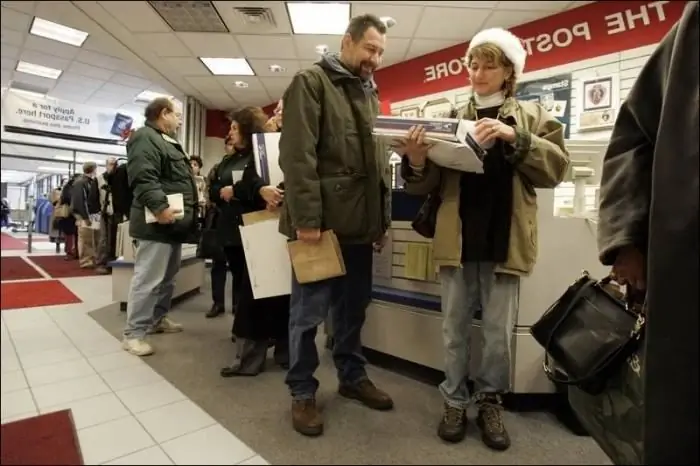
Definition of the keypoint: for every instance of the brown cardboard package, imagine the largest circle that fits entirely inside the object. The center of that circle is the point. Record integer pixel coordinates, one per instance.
(317, 262)
(259, 216)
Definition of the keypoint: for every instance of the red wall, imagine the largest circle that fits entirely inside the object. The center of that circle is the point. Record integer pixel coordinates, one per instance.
(587, 32)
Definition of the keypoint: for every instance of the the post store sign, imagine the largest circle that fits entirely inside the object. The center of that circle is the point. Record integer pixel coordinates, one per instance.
(586, 32)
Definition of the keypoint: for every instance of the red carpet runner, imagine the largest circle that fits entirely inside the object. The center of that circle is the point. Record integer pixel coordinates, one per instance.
(19, 295)
(58, 267)
(16, 268)
(8, 243)
(49, 439)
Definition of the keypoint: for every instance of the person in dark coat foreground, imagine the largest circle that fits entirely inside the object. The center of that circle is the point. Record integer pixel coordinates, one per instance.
(648, 232)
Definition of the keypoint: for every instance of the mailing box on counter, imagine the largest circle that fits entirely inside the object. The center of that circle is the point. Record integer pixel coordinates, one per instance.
(453, 144)
(267, 153)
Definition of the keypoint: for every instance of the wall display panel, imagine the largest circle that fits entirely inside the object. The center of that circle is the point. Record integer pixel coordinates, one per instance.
(553, 93)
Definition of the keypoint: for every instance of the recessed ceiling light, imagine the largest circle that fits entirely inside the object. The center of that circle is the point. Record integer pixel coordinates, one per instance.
(54, 31)
(277, 68)
(38, 70)
(53, 169)
(30, 94)
(388, 21)
(147, 96)
(321, 49)
(319, 18)
(228, 66)
(241, 84)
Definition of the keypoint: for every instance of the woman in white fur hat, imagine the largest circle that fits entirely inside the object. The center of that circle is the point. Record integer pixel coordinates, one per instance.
(486, 231)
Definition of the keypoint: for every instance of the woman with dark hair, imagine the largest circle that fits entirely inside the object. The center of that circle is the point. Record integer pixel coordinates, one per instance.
(236, 188)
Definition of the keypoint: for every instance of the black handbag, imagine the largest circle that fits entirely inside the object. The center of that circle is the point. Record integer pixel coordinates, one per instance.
(208, 246)
(426, 220)
(590, 331)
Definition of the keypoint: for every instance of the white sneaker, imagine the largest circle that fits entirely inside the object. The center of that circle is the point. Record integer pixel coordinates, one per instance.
(166, 325)
(137, 346)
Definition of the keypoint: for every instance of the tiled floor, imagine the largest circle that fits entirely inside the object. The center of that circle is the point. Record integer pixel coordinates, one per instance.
(57, 357)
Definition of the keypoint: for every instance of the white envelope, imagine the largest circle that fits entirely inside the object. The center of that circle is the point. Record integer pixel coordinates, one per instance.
(175, 201)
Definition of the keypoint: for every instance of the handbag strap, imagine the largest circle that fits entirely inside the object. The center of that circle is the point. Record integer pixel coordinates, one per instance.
(549, 371)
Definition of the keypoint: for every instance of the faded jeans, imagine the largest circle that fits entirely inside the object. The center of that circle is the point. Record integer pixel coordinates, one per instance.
(346, 298)
(465, 290)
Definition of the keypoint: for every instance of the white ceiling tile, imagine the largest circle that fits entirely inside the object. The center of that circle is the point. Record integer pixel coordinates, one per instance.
(509, 18)
(205, 83)
(187, 66)
(24, 7)
(103, 61)
(257, 99)
(72, 78)
(69, 96)
(91, 71)
(456, 4)
(15, 20)
(450, 23)
(124, 91)
(547, 5)
(106, 46)
(38, 58)
(8, 63)
(395, 51)
(106, 100)
(306, 45)
(33, 80)
(67, 14)
(420, 47)
(12, 37)
(130, 81)
(275, 86)
(214, 45)
(406, 17)
(262, 67)
(266, 46)
(136, 16)
(164, 44)
(51, 47)
(9, 51)
(237, 26)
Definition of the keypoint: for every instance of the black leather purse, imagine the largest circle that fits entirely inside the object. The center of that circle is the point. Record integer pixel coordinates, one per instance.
(426, 220)
(590, 332)
(208, 245)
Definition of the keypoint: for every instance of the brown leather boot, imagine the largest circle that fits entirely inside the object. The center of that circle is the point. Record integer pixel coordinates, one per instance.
(366, 393)
(306, 418)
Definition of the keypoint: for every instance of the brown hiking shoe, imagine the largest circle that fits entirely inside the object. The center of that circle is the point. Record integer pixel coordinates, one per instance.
(453, 425)
(306, 418)
(490, 422)
(366, 393)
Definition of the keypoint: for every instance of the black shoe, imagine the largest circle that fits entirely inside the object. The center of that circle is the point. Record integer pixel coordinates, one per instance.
(281, 353)
(215, 311)
(453, 425)
(490, 422)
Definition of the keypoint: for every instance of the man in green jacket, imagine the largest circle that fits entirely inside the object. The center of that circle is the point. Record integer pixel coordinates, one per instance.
(335, 178)
(157, 167)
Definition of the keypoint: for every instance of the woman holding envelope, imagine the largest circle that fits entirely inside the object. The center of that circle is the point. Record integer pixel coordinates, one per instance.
(237, 189)
(486, 229)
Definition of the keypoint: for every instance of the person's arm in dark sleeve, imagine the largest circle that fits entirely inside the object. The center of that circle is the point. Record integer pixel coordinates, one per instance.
(213, 185)
(79, 199)
(248, 189)
(298, 158)
(625, 186)
(143, 168)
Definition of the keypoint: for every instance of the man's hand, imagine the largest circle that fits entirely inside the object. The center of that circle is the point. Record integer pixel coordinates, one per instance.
(629, 268)
(271, 195)
(378, 246)
(309, 235)
(414, 146)
(226, 193)
(167, 216)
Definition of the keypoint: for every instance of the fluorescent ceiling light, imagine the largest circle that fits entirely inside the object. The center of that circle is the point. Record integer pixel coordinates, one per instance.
(53, 169)
(30, 94)
(319, 18)
(58, 32)
(147, 96)
(38, 70)
(228, 66)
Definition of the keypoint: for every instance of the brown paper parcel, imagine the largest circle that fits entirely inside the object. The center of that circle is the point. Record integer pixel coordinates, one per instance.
(317, 262)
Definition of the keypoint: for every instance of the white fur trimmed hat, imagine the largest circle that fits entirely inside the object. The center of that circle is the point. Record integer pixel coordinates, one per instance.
(511, 46)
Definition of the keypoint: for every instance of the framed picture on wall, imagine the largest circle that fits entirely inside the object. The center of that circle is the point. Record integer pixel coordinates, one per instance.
(598, 93)
(412, 111)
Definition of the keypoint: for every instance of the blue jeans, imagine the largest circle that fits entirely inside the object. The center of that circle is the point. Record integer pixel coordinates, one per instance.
(346, 298)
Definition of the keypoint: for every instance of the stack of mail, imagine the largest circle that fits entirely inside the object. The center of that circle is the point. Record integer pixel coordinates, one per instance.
(453, 144)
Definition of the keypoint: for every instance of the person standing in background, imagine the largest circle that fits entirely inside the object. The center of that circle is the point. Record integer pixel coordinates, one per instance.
(107, 248)
(85, 204)
(648, 233)
(157, 167)
(335, 178)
